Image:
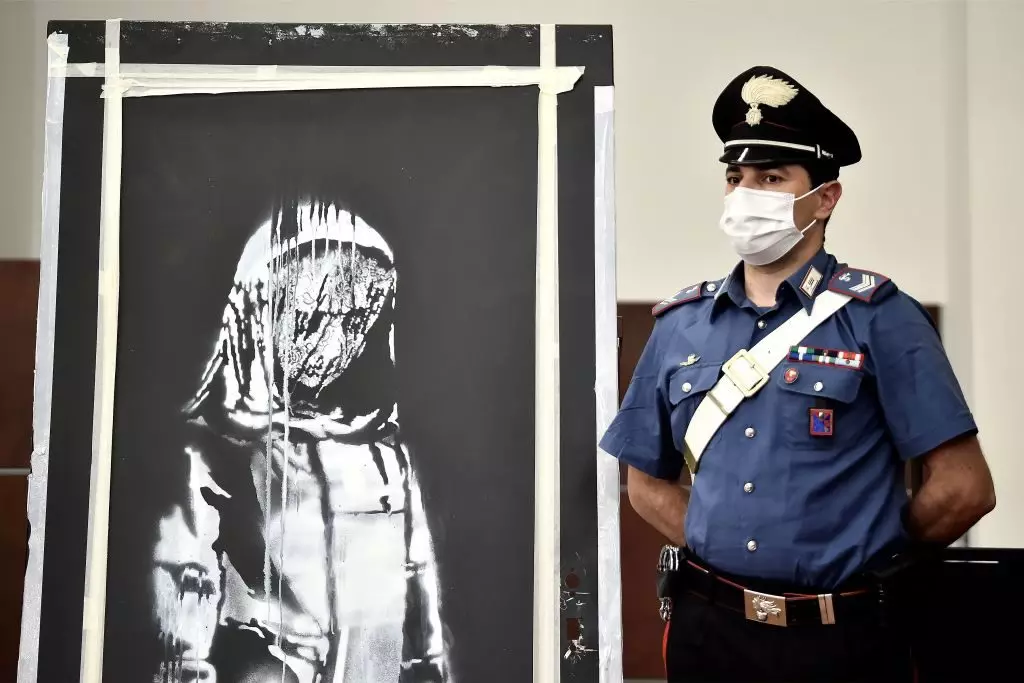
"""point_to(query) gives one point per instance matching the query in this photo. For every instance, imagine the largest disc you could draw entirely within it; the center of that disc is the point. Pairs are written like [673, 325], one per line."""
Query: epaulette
[685, 296]
[861, 284]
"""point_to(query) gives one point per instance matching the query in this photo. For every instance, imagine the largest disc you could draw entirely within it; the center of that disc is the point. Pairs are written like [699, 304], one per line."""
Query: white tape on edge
[154, 80]
[547, 581]
[93, 621]
[28, 657]
[609, 566]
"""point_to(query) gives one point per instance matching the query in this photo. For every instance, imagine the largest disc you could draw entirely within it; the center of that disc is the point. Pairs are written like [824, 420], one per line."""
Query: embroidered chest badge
[822, 423]
[809, 354]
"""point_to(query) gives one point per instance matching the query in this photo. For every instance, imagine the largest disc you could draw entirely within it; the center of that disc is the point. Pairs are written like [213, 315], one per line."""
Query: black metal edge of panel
[590, 47]
[74, 361]
[164, 42]
[85, 39]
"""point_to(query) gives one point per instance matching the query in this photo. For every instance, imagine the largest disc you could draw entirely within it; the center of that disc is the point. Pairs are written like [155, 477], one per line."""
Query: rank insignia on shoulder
[821, 422]
[860, 284]
[689, 294]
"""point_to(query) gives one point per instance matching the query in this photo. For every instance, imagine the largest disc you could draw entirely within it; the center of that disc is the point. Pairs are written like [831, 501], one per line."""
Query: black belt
[777, 609]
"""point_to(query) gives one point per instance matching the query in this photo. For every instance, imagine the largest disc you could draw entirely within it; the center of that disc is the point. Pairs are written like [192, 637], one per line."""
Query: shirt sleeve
[921, 399]
[640, 435]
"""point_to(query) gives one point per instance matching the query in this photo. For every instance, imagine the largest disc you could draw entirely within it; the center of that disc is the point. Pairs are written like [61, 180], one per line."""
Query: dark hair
[821, 172]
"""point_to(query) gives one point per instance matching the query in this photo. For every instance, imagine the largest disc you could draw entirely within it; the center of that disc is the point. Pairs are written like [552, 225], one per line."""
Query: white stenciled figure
[301, 552]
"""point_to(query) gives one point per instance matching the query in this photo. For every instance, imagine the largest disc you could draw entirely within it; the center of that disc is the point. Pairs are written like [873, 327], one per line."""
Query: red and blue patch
[822, 422]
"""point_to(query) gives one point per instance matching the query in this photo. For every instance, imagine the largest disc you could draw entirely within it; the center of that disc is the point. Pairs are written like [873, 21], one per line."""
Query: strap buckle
[765, 608]
[745, 373]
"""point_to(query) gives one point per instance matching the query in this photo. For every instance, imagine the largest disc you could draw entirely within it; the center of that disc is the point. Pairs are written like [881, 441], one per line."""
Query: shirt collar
[812, 278]
[806, 283]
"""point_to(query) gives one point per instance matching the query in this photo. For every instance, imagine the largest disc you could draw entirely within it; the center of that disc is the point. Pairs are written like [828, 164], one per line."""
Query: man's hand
[956, 491]
[660, 503]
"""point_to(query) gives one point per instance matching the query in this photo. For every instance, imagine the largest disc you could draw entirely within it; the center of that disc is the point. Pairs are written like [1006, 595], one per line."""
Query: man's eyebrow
[732, 168]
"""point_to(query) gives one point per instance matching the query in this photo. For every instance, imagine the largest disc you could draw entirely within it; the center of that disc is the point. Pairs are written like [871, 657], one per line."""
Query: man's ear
[830, 195]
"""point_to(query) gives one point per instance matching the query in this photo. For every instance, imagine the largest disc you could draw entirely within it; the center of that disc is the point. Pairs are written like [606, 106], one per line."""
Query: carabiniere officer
[794, 391]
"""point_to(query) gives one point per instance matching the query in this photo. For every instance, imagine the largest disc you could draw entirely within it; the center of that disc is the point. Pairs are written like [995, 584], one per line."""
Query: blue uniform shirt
[804, 482]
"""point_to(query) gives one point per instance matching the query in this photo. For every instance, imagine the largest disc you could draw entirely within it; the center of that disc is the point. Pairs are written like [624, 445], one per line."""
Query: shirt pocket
[687, 386]
[815, 401]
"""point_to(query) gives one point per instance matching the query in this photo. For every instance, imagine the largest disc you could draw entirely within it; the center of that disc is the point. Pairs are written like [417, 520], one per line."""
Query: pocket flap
[693, 381]
[814, 379]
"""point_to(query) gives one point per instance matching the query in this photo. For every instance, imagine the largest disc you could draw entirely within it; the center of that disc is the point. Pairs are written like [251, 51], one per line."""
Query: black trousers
[707, 643]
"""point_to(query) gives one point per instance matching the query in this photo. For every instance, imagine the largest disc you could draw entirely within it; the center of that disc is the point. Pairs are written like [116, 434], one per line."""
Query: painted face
[299, 312]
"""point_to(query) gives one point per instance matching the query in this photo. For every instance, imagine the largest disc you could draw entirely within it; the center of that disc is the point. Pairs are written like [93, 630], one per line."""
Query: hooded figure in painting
[302, 551]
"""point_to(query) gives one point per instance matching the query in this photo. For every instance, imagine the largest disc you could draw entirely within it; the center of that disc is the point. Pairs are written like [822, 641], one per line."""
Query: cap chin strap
[747, 372]
[816, 149]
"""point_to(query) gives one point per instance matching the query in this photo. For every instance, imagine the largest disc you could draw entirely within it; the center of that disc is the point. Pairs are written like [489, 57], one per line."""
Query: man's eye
[772, 179]
[732, 180]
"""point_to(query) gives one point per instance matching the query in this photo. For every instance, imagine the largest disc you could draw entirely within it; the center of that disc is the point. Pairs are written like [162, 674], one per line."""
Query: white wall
[20, 131]
[931, 87]
[996, 228]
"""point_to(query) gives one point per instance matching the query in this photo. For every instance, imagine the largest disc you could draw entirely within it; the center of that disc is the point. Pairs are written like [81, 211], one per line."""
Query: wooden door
[19, 282]
[642, 628]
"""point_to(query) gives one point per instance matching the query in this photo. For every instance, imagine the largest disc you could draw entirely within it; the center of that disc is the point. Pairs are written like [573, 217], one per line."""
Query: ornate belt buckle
[745, 373]
[765, 608]
[665, 609]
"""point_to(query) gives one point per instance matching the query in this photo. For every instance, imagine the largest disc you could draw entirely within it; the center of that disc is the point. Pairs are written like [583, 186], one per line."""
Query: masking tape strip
[257, 72]
[606, 389]
[547, 582]
[53, 134]
[553, 80]
[106, 370]
[153, 80]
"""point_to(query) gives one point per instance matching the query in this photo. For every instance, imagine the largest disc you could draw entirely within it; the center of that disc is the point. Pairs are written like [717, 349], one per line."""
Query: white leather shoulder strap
[747, 372]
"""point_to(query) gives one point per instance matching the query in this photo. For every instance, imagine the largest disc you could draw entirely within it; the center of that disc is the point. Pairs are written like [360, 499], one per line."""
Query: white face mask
[759, 223]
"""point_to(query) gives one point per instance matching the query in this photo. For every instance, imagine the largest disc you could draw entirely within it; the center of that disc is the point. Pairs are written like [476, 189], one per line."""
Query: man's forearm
[939, 515]
[660, 503]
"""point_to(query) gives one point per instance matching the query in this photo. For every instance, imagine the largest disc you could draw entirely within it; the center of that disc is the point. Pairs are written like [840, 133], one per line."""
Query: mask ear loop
[811, 224]
[811, 192]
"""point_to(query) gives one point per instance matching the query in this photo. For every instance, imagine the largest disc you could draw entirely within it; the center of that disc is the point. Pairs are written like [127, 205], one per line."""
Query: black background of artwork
[448, 177]
[494, 599]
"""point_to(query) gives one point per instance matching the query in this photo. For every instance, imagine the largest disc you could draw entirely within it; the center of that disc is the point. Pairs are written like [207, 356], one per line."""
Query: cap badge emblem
[766, 90]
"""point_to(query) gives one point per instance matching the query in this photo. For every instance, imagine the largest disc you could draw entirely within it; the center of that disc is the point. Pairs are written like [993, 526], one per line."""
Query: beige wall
[931, 87]
[996, 238]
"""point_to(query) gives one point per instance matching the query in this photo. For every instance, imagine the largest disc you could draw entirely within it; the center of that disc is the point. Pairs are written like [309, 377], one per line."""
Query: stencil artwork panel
[323, 430]
[347, 589]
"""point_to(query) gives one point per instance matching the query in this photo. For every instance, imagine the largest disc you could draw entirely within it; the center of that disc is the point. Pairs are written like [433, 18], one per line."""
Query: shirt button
[751, 545]
[749, 488]
[818, 386]
[686, 387]
[712, 287]
[750, 432]
[761, 324]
